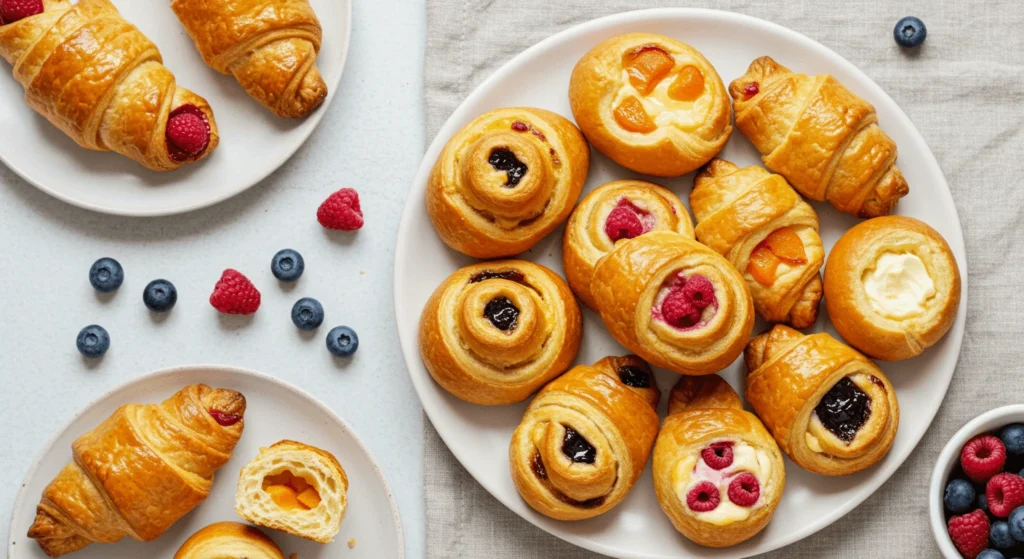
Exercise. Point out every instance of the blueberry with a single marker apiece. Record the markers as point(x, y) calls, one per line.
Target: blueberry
point(910, 32)
point(93, 341)
point(160, 295)
point(1016, 522)
point(307, 314)
point(959, 496)
point(999, 535)
point(287, 265)
point(983, 501)
point(1013, 437)
point(990, 554)
point(106, 275)
point(342, 341)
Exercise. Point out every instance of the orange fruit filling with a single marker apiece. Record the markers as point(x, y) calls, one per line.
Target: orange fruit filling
point(648, 67)
point(782, 245)
point(688, 85)
point(291, 492)
point(630, 115)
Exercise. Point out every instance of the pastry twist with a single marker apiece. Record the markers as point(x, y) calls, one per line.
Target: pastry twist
point(584, 440)
point(831, 409)
point(228, 540)
point(493, 333)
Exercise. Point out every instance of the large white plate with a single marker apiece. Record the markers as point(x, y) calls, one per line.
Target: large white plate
point(253, 143)
point(275, 410)
point(479, 436)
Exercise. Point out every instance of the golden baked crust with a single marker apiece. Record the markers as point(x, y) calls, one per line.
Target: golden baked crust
point(616, 421)
point(736, 209)
point(475, 360)
point(486, 212)
point(586, 240)
point(789, 374)
point(228, 539)
point(629, 281)
point(853, 314)
point(686, 134)
point(820, 136)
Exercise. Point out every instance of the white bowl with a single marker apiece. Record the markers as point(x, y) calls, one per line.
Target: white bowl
point(987, 422)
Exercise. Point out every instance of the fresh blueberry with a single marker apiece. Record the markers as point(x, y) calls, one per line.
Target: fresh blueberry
point(287, 265)
point(990, 554)
point(1013, 437)
point(910, 32)
point(959, 496)
point(342, 341)
point(307, 314)
point(1016, 522)
point(983, 501)
point(999, 535)
point(93, 341)
point(106, 275)
point(160, 295)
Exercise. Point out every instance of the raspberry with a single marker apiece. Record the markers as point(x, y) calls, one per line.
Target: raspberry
point(235, 294)
point(679, 311)
point(744, 490)
point(699, 291)
point(969, 533)
point(188, 133)
point(623, 223)
point(703, 497)
point(718, 455)
point(1004, 493)
point(15, 10)
point(341, 211)
point(983, 457)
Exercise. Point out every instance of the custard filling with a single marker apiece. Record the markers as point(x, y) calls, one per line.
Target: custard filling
point(898, 286)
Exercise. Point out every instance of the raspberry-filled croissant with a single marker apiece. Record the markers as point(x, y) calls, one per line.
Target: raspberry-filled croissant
point(102, 82)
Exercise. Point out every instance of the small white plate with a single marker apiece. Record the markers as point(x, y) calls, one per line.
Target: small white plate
point(479, 436)
point(253, 143)
point(275, 410)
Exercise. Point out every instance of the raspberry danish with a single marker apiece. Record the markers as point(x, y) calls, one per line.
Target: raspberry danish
point(585, 439)
point(495, 332)
point(506, 180)
point(674, 302)
point(757, 221)
point(652, 104)
point(718, 474)
point(831, 409)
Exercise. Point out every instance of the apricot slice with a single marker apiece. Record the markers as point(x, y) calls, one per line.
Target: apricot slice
point(299, 484)
point(309, 497)
point(283, 478)
point(648, 67)
point(630, 114)
point(688, 85)
point(763, 265)
point(285, 497)
point(786, 244)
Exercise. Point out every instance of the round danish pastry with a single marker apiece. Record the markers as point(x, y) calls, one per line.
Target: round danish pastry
point(652, 104)
point(229, 539)
point(495, 332)
point(506, 180)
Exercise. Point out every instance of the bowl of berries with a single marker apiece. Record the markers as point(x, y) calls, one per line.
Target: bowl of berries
point(976, 500)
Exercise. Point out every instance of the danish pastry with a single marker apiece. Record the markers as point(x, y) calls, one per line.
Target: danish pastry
point(757, 221)
point(652, 104)
point(892, 287)
point(831, 409)
point(674, 302)
point(225, 540)
point(718, 473)
point(506, 180)
point(494, 333)
point(584, 440)
point(612, 212)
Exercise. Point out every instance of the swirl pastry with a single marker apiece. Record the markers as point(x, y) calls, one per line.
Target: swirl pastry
point(652, 104)
point(612, 212)
point(674, 302)
point(820, 136)
point(892, 287)
point(757, 221)
point(831, 409)
point(718, 473)
point(506, 180)
point(494, 333)
point(584, 440)
point(227, 540)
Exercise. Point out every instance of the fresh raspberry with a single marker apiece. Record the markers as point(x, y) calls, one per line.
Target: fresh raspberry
point(744, 490)
point(718, 455)
point(235, 294)
point(341, 211)
point(703, 497)
point(1004, 492)
point(969, 533)
point(699, 290)
point(679, 311)
point(188, 133)
point(623, 223)
point(15, 10)
point(983, 457)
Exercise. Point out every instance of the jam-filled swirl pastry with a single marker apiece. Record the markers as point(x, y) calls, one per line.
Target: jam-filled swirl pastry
point(585, 439)
point(506, 180)
point(718, 474)
point(757, 221)
point(831, 409)
point(674, 302)
point(613, 212)
point(495, 332)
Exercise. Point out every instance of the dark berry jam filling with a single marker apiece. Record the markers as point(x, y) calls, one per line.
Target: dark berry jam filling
point(588, 504)
point(502, 159)
point(225, 419)
point(511, 275)
point(520, 126)
point(502, 313)
point(634, 376)
point(578, 449)
point(844, 409)
point(538, 466)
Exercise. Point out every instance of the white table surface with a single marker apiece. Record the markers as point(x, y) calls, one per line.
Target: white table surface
point(371, 139)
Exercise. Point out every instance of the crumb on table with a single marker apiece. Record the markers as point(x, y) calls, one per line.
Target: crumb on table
point(351, 543)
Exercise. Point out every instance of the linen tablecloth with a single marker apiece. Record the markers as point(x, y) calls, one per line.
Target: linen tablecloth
point(964, 90)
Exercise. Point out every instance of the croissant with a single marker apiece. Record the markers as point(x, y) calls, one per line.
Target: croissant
point(270, 46)
point(831, 409)
point(718, 474)
point(820, 136)
point(225, 540)
point(585, 439)
point(758, 222)
point(139, 471)
point(102, 82)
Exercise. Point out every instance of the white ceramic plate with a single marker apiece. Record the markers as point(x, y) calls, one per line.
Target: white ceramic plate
point(479, 436)
point(275, 410)
point(253, 143)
